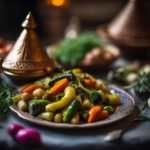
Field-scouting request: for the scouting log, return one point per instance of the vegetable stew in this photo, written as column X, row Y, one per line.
column 68, row 97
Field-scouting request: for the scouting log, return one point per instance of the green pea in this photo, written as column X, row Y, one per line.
column 85, row 116
column 109, row 109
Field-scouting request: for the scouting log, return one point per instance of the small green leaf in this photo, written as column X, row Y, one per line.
column 143, row 116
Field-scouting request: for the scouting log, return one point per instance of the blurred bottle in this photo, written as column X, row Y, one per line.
column 73, row 29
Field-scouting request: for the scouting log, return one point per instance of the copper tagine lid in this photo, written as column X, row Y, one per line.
column 28, row 57
column 131, row 24
column 130, row 27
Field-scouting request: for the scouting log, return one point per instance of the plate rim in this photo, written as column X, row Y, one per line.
column 86, row 125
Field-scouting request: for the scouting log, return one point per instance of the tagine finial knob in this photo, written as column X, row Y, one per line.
column 29, row 22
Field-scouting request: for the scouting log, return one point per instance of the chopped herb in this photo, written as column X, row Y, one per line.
column 5, row 99
column 83, row 95
column 59, row 96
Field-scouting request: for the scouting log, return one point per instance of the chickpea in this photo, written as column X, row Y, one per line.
column 77, row 97
column 26, row 96
column 86, row 104
column 38, row 93
column 75, row 119
column 58, row 118
column 22, row 105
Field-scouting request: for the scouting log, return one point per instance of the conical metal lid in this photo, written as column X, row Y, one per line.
column 132, row 25
column 28, row 52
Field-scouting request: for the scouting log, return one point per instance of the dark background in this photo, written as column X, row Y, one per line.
column 53, row 20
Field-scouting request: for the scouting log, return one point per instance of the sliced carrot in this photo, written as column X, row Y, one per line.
column 31, row 88
column 93, row 113
column 104, row 114
column 87, row 81
column 58, row 86
column 93, row 82
column 90, row 82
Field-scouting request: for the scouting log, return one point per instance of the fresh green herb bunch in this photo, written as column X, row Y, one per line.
column 72, row 50
column 118, row 76
column 141, row 84
column 5, row 99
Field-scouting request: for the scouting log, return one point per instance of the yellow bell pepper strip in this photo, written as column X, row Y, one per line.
column 69, row 94
column 17, row 98
column 76, row 70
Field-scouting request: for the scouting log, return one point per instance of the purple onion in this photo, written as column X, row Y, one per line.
column 14, row 128
column 28, row 137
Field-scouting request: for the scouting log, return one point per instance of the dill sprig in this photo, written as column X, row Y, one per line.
column 141, row 84
column 5, row 99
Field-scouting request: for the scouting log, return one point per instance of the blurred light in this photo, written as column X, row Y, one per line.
column 58, row 2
